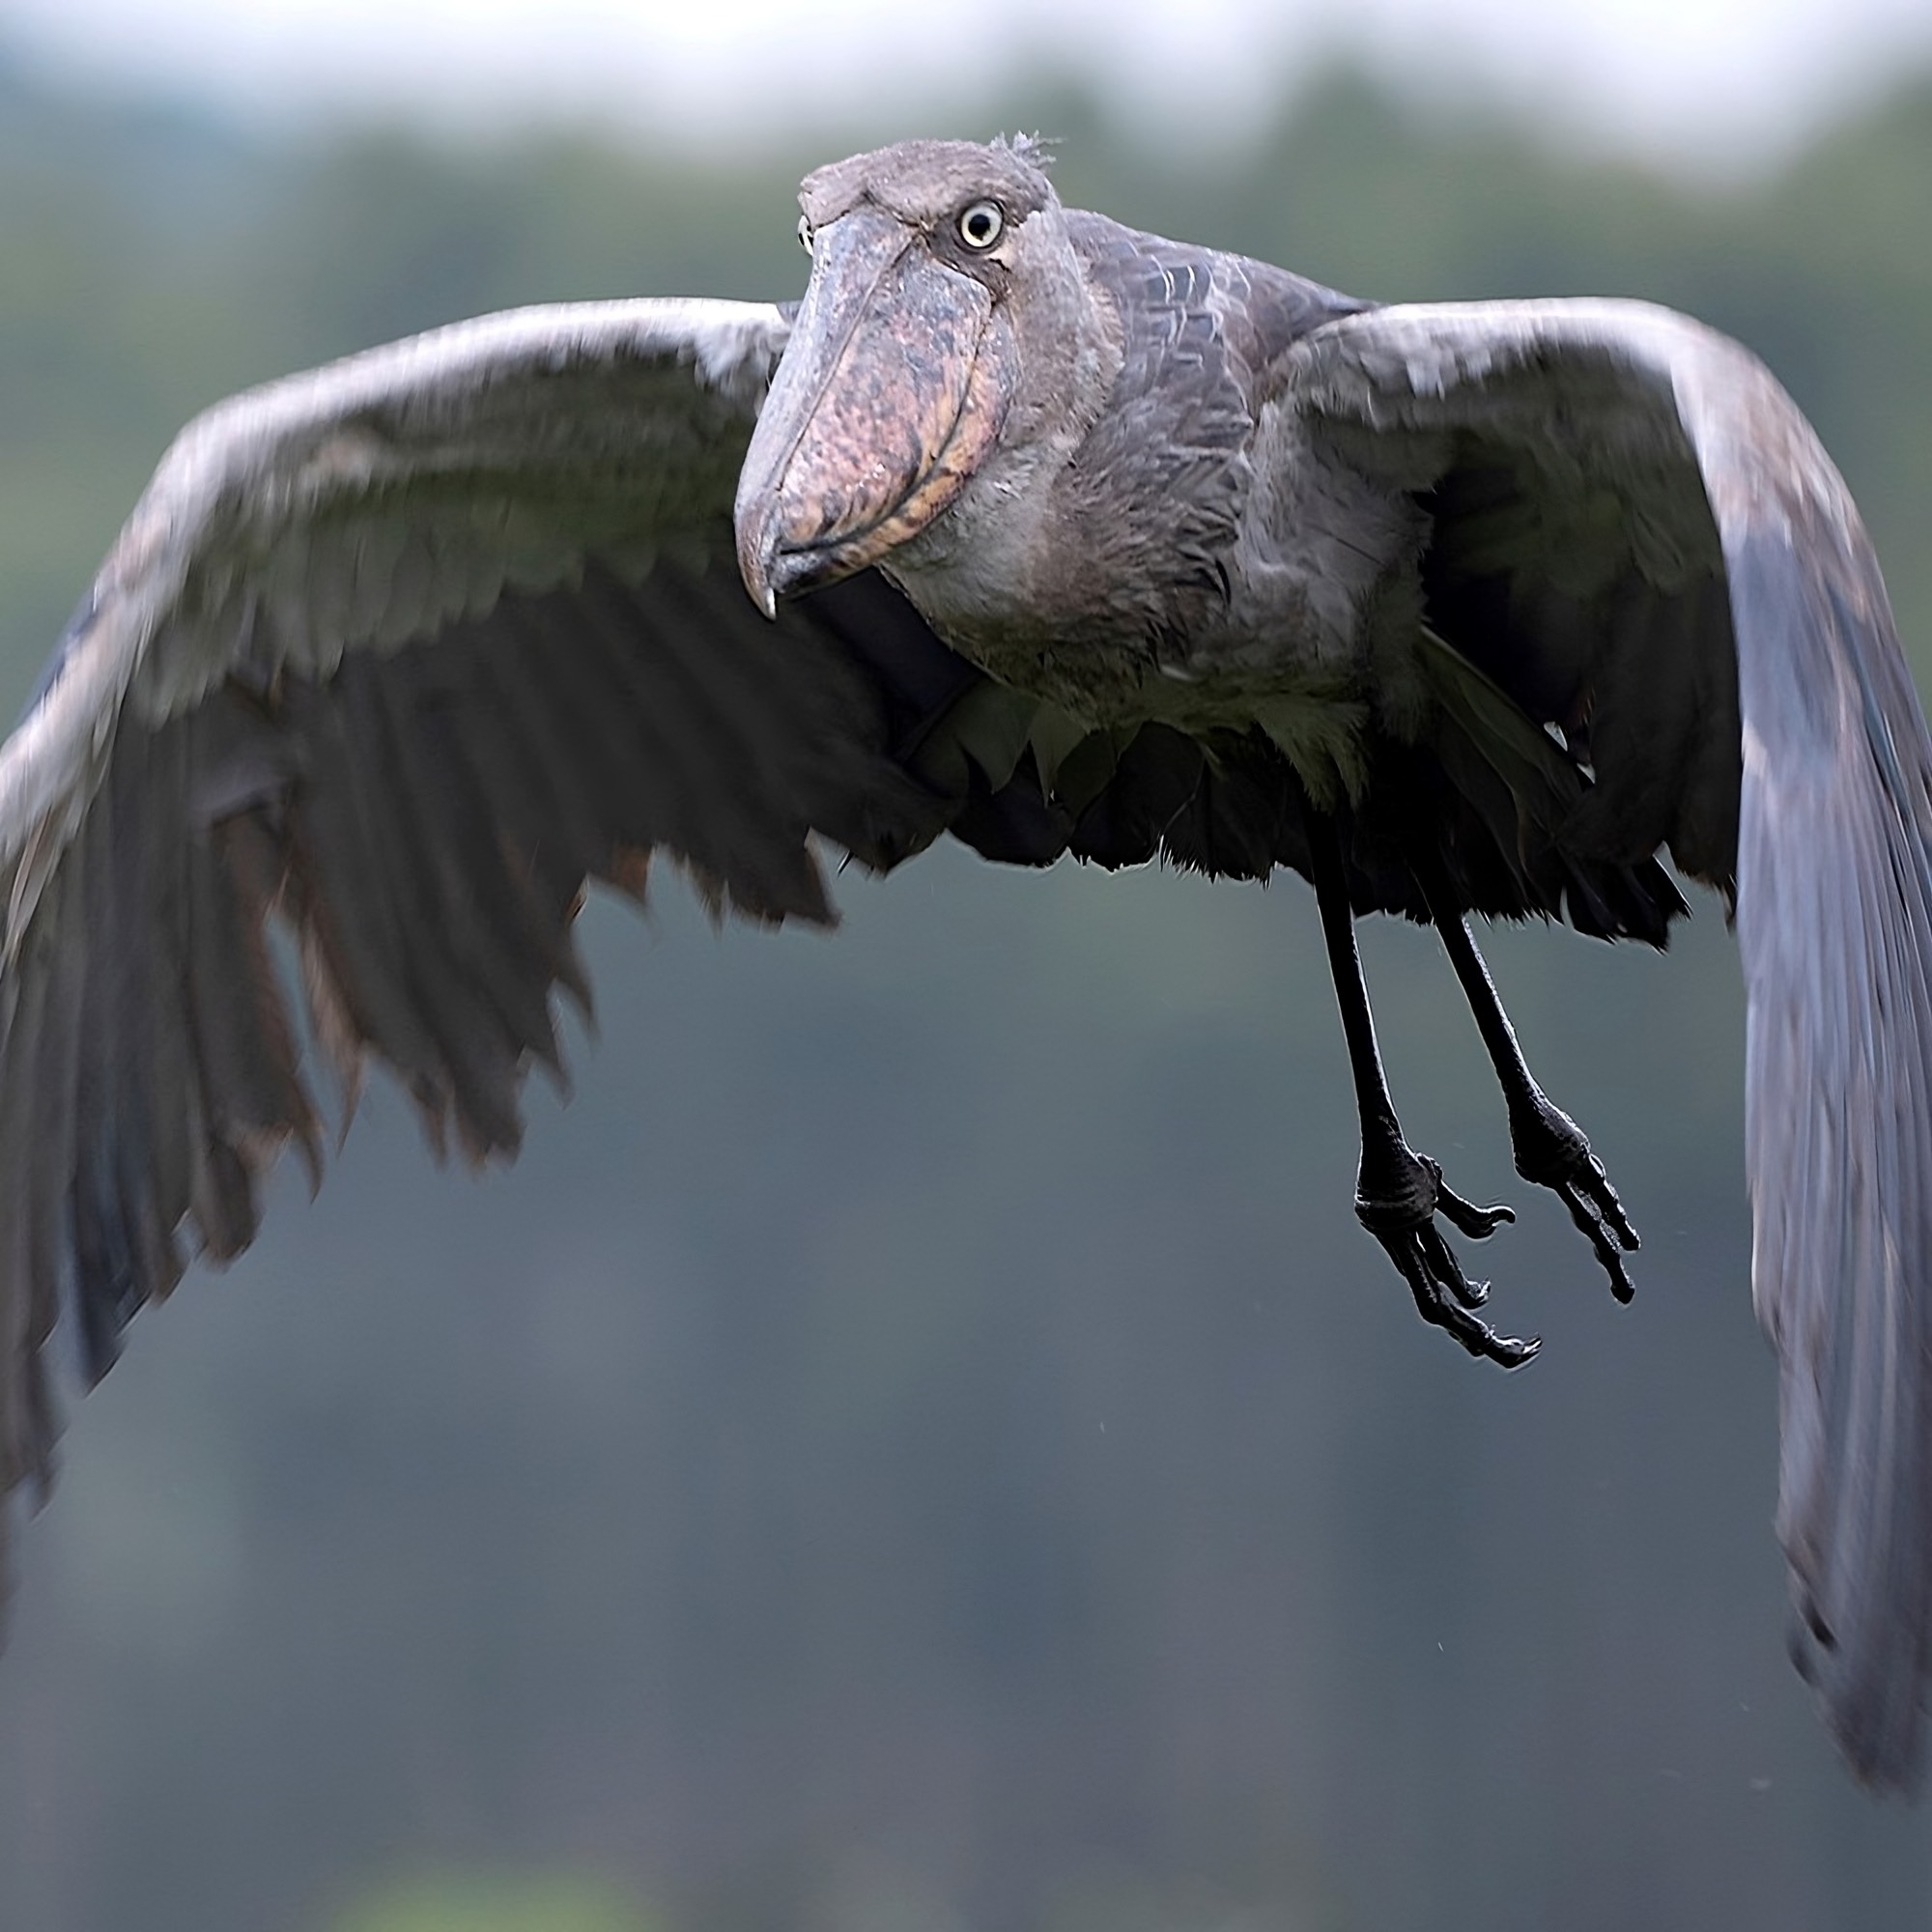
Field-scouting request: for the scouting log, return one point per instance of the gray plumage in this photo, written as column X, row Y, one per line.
column 1194, row 559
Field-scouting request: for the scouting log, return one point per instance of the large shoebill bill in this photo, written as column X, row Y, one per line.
column 1074, row 540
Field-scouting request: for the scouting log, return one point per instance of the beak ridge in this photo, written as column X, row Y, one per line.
column 882, row 403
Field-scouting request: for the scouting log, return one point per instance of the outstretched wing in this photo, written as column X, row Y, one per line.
column 1641, row 541
column 391, row 658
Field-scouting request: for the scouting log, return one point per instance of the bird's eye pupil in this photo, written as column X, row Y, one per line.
column 804, row 234
column 980, row 225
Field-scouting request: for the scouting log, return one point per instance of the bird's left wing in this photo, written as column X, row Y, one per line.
column 1636, row 539
column 395, row 656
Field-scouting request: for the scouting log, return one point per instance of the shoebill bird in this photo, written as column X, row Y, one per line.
column 1060, row 539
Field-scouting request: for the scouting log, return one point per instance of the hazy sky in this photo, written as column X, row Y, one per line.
column 1702, row 78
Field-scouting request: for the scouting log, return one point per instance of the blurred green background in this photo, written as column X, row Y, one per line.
column 919, row 1444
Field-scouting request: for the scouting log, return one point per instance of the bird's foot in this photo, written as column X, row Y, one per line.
column 1552, row 1152
column 1398, row 1204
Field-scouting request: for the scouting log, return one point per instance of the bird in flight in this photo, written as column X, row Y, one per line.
column 1058, row 538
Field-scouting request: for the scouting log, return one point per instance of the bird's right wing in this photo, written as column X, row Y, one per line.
column 1640, row 540
column 396, row 655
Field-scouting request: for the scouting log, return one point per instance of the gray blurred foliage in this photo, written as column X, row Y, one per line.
column 919, row 1441
column 494, row 1903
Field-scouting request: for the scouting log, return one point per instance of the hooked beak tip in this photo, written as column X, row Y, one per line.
column 756, row 554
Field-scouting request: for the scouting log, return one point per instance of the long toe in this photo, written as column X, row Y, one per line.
column 1478, row 1222
column 1398, row 1195
column 1552, row 1151
column 1445, row 1297
column 1594, row 1224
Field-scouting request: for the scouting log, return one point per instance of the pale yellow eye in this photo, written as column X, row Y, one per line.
column 804, row 234
column 981, row 224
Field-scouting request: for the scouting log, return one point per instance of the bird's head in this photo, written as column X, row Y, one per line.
column 938, row 346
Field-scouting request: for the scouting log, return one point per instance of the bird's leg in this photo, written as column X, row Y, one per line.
column 1398, row 1191
column 1551, row 1149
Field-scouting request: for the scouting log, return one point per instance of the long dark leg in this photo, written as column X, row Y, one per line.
column 1398, row 1191
column 1551, row 1149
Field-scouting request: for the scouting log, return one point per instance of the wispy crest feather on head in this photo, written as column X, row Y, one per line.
column 1038, row 148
